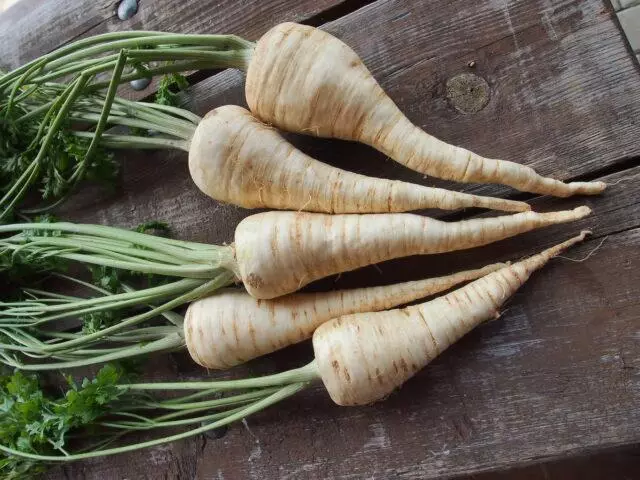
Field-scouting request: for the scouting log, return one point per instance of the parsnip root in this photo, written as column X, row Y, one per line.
column 305, row 80
column 231, row 327
column 277, row 253
column 235, row 158
column 362, row 358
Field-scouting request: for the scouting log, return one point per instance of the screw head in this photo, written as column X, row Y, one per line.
column 127, row 9
column 140, row 83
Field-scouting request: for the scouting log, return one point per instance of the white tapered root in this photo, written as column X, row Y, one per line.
column 362, row 358
column 235, row 158
column 280, row 252
column 231, row 327
column 305, row 80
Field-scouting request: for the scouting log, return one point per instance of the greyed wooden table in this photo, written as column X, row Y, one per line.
column 559, row 373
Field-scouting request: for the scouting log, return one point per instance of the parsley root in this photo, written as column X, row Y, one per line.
column 231, row 327
column 277, row 253
column 360, row 359
column 403, row 341
column 237, row 159
column 303, row 79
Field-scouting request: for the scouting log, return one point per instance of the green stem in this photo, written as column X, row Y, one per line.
column 118, row 300
column 307, row 373
column 157, row 423
column 181, row 112
column 74, row 67
column 214, row 41
column 183, row 133
column 98, row 247
column 168, row 343
column 277, row 397
column 161, row 70
column 167, row 245
column 222, row 280
column 215, row 403
column 23, row 78
column 131, row 141
column 75, row 46
column 185, row 271
column 102, row 121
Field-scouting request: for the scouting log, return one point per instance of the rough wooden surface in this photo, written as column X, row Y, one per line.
column 630, row 23
column 559, row 373
column 566, row 102
column 33, row 27
column 620, row 464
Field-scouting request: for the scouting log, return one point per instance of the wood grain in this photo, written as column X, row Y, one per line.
column 34, row 27
column 568, row 109
column 31, row 28
column 559, row 373
column 564, row 89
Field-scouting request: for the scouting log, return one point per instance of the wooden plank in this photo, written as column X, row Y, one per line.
column 624, row 4
column 618, row 463
column 32, row 27
column 630, row 23
column 559, row 372
column 564, row 89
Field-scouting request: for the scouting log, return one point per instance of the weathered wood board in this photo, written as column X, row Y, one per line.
column 559, row 373
column 35, row 27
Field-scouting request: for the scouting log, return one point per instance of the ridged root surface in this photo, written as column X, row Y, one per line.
column 305, row 80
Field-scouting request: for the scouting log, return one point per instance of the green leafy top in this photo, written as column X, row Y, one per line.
column 33, row 422
column 166, row 89
column 22, row 265
column 65, row 156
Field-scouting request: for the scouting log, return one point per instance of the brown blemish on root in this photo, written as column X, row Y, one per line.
column 254, row 281
column 404, row 366
column 379, row 376
column 336, row 366
column 252, row 333
column 346, row 375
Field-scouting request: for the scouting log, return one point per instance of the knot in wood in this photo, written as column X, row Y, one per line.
column 468, row 93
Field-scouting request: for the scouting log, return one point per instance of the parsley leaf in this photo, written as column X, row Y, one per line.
column 167, row 86
column 33, row 422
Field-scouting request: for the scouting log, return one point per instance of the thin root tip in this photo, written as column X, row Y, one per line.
column 582, row 211
column 572, row 241
column 517, row 207
column 588, row 188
